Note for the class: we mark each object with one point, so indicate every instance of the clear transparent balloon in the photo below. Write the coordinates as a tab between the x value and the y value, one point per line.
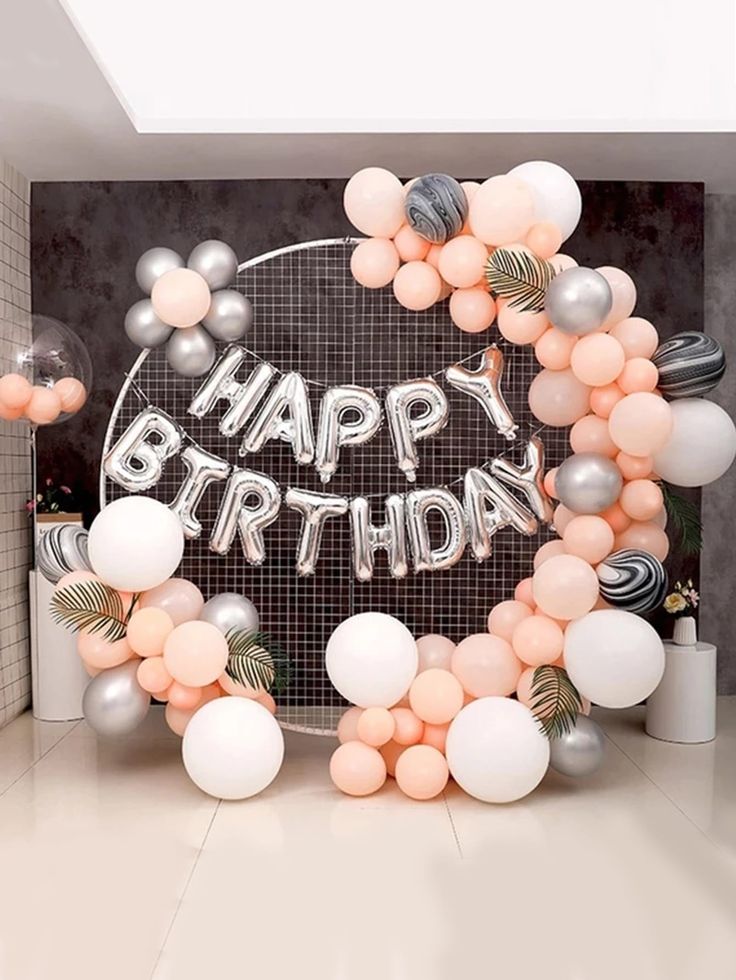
56	352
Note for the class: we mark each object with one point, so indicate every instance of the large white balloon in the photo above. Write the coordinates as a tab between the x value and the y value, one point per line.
556	195
135	544
613	658
701	447
371	658
232	748
496	750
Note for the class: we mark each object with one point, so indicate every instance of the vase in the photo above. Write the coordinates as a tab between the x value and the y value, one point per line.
685	633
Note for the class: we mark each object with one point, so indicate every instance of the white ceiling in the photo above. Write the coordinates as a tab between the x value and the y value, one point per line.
60	118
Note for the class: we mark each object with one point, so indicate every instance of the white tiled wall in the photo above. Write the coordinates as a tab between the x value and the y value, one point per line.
15	457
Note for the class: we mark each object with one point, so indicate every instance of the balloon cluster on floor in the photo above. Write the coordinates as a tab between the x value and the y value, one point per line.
143	634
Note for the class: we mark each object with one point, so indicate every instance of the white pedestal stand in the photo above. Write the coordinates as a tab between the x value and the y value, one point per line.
683	708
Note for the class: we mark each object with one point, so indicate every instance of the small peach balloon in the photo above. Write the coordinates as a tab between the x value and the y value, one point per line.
184	696
436	735
524	687
44	406
644	536
391	752
642	500
433	256
561	518
195	653
558	398
376	726
147	631
236	690
417	286
472	310
548	550
640	424
72	394
554	349
153	676
634	467
520	326
590	435
544	239
505	617
436	696
10	414
374	202
71	578
565	587
616	518
637	336
623	291
180	297
15	391
101	653
409	728
422	772
602	399
502	210
179	597
347	726
357	769
638	374
486	666
523	592
434	651
267	700
374	263
177	719
597	359
560	262
590	537
538	640
462	261
410	246
549	482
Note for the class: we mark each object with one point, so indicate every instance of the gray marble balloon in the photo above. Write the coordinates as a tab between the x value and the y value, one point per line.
62	549
190	351
143	327
632	580
689	364
230	315
580	751
436	207
114	703
152	265
588	483
230	611
578	300
215	261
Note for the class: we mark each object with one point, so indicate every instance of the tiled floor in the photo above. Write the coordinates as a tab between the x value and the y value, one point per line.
115	866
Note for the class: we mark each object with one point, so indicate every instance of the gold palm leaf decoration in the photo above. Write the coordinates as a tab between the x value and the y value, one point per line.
555	700
255	661
93	607
520	277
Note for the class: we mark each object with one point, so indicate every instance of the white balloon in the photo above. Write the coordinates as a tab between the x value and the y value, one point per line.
556	195
371	659
613	658
496	750
701	447
135	544
232	748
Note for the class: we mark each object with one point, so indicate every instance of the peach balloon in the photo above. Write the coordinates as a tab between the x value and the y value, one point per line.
436	696
184	696
417	286
565	587
357	769
604	398
72	394
409	728
463	261
624	294
153	676
147	631
502	210
590	537
374	202
374	263
410	246
637	336
236	690
549	549
195	653
558	398
101	653
71	578
486	666
376	726
519	326
179	597
544	239
597	359
347	726
177	719
524	687
639	374
642	500
434	651
10	414
561	518
615	518
391	752
433	256
590	435
422	772
505	617
445	291
644	536
554	348
538	640
634	467
472	310
470	187
640	424
560	262
44	406
180	297
267	700
549	482
523	592
15	391
436	735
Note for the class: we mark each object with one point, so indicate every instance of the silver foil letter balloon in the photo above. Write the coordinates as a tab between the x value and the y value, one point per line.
406	428
419	503
237	515
221	385
484	384
368	537
529	478
202	468
136	461
288	397
335	431
489	506
316	509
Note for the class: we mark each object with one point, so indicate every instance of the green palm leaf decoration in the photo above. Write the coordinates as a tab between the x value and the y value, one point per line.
256	661
91	606
555	700
684	520
520	277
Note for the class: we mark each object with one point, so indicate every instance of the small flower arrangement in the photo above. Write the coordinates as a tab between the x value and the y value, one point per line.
54	500
683	600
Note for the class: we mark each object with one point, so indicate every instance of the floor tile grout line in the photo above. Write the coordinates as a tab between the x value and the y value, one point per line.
452	825
39	759
185	889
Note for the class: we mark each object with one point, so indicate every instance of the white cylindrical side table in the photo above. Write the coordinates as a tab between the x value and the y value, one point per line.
683	707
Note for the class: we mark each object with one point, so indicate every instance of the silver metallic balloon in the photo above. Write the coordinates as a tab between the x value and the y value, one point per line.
152	265
578	300
135	462
243	397
484	384
230	315
529	478
290	396
114	703
203	468
231	611
368	537
62	549
190	351
588	483
407	430
215	261
315	508
234	516
333	431
418	505
580	751
489	507
143	327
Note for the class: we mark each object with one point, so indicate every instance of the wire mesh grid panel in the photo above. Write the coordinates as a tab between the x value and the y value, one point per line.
311	316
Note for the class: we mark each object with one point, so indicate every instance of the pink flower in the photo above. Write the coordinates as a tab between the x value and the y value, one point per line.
49	481
65	489
30	506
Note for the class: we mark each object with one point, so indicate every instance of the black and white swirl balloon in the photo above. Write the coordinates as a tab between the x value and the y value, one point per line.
62	549
632	580
689	364
436	207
